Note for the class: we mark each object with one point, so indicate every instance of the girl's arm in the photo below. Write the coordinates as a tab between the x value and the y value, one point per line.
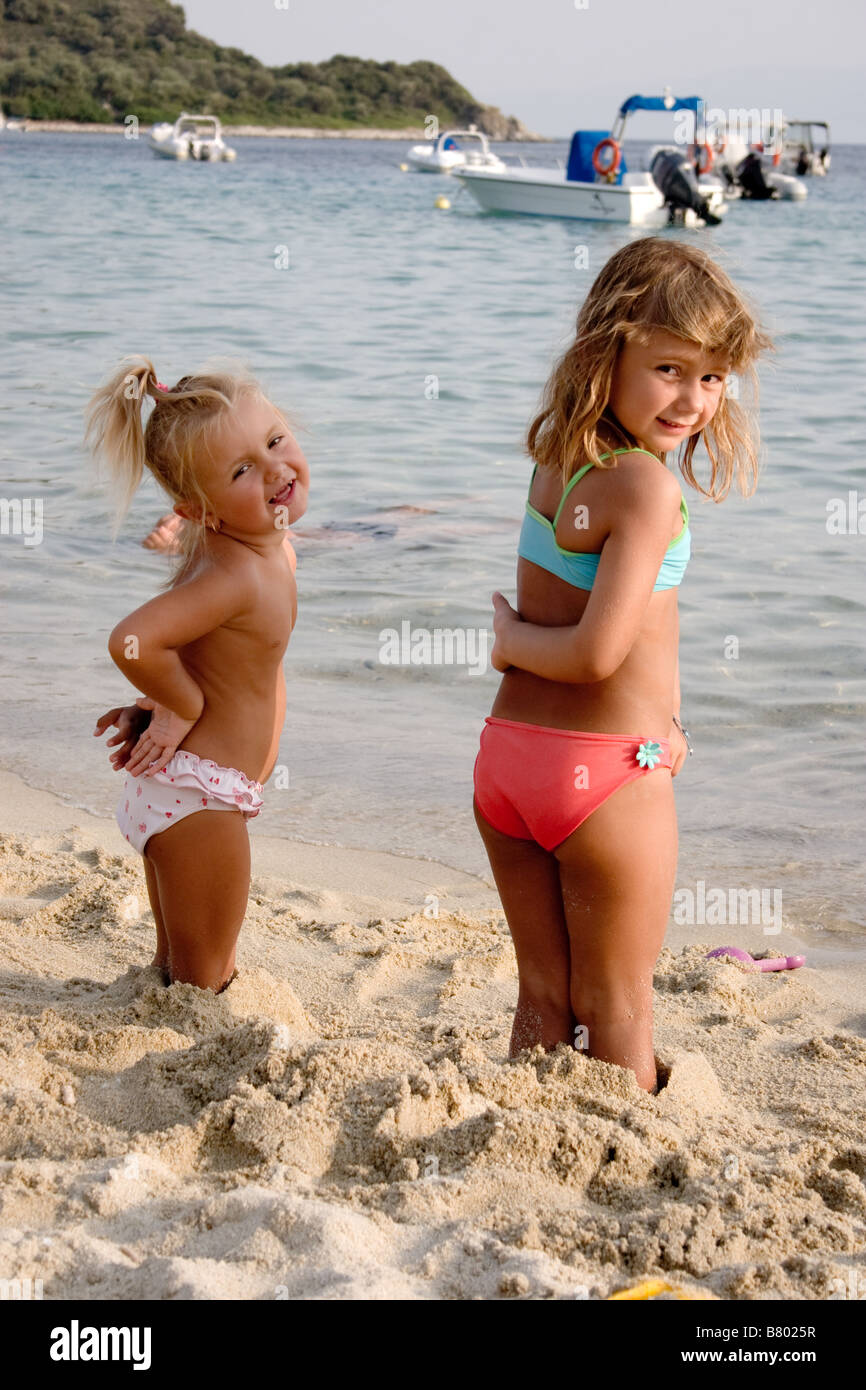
594	648
145	645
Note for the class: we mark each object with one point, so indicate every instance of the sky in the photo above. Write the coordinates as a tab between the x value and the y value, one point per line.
559	65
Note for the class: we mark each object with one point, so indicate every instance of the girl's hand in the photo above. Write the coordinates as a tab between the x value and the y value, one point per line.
504	618
160	740
130	722
679	749
165	534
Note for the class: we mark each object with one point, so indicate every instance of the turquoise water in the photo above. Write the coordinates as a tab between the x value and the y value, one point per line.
416	502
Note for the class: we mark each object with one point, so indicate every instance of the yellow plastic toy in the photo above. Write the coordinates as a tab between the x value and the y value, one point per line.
651	1288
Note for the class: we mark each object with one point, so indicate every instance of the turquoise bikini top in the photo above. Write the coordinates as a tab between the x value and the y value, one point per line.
538	543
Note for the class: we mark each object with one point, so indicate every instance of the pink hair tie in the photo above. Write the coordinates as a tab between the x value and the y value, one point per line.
162	386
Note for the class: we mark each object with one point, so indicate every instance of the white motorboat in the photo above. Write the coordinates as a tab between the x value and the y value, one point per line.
191	137
445	154
805	147
11	125
549	193
766	184
749	153
596	185
756	171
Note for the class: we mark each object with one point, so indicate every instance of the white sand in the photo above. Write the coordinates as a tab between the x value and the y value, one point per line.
295	132
343	1122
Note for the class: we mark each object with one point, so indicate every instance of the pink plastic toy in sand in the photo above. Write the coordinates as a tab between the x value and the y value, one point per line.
762	962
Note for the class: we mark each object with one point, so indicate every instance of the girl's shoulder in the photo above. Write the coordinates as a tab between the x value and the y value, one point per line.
624	479
639	482
217	560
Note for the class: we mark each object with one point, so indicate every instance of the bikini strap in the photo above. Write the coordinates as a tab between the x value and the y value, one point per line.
571	482
580	473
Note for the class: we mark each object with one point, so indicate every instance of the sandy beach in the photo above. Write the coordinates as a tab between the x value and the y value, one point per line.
272	132
344	1123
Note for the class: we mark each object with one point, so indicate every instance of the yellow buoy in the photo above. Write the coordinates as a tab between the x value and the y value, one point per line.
405	168
442	202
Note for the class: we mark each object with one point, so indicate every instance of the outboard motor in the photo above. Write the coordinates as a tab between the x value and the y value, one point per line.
675	178
750	176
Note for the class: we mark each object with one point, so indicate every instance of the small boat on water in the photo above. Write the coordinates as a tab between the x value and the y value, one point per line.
191	137
11	125
750	177
758	171
445	154
597	186
805	147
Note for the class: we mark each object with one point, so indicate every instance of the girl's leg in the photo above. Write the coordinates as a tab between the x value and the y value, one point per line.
528	881
161	956
202	869
617	872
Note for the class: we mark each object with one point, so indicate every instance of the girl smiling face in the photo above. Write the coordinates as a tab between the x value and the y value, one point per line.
665	389
256	477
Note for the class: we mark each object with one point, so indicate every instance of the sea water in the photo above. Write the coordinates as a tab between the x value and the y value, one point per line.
411	344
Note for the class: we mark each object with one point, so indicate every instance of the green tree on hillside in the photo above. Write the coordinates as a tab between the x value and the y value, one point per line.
100	60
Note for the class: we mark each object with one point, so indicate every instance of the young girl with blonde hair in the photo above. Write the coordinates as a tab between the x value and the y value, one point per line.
573	781
207	653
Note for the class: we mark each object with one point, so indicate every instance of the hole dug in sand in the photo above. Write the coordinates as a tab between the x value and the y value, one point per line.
688	1084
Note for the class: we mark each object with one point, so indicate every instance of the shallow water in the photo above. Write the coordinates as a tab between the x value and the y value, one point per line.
416	502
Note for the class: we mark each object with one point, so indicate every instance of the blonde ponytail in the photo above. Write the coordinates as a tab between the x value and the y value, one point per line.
114	431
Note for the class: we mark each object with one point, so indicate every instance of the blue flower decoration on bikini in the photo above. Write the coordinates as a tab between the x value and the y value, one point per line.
649	754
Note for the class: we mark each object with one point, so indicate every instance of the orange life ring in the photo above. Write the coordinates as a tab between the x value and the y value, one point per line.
609	144
703	169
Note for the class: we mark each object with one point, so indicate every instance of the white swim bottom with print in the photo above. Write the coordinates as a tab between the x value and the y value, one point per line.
188	784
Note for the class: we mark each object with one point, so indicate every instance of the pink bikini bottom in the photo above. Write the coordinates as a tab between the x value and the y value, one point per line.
535	783
188	784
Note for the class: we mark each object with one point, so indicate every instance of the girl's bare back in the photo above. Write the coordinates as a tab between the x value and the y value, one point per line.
239	665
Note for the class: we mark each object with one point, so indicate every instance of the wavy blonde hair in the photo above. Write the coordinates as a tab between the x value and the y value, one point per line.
171	446
650	284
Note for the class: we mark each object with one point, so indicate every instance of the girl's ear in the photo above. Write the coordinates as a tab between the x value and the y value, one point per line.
187	510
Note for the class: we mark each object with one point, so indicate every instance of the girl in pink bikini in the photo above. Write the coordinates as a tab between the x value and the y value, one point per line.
206	654
573	781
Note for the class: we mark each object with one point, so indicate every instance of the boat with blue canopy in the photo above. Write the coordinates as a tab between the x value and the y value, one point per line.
597	185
